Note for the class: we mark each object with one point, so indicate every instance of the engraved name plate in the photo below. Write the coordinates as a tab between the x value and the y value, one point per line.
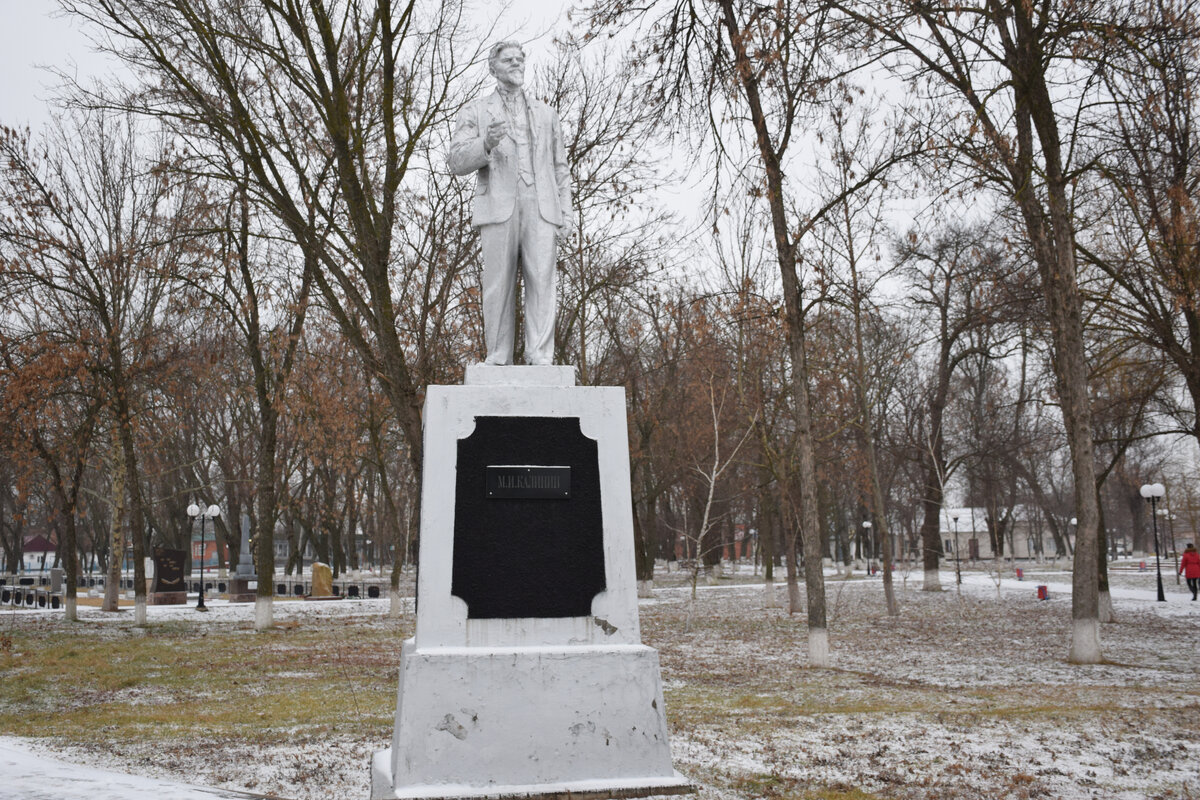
528	482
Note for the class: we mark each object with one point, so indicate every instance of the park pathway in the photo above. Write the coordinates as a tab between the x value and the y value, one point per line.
31	776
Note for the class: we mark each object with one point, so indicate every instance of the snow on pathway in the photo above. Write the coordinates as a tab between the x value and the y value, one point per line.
977	582
29	775
1178	601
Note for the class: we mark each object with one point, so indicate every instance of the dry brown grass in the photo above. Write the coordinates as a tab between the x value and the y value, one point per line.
959	697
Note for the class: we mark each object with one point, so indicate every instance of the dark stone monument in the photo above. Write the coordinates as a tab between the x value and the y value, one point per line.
240	589
169	588
528	530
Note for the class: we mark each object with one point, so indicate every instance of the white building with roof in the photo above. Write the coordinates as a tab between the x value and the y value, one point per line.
964	530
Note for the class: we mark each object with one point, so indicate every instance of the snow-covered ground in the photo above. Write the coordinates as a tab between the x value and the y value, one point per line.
29	773
962	696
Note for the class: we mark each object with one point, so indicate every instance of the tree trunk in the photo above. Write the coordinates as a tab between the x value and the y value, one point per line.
1052	238
1105	597
642	556
766	547
867	427
116	540
931	528
68	503
70	560
884	537
264	514
131	478
785	251
1056	264
793	571
226	549
295	559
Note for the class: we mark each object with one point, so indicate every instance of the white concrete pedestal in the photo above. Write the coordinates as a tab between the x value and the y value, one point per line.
527	707
520	722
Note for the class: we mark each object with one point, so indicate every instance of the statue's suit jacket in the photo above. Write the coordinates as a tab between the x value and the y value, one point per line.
497	172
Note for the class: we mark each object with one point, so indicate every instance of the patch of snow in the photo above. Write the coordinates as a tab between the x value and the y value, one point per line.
30	774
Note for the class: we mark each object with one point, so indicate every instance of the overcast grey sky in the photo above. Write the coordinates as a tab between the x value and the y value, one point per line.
34	33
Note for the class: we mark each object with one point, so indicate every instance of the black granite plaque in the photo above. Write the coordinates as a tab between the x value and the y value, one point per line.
528	483
168	569
523	556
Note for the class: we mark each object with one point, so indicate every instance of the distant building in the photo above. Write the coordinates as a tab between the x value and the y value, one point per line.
205	552
1024	537
38	553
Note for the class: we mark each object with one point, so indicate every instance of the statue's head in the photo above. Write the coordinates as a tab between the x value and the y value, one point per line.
506	61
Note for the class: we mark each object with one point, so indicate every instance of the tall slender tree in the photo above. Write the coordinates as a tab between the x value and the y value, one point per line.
751	79
948	272
993	76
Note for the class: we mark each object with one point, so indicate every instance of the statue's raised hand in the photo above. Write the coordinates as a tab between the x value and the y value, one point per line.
495	132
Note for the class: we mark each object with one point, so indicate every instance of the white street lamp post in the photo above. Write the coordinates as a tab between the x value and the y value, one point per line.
1153	492
957	568
870	547
212	512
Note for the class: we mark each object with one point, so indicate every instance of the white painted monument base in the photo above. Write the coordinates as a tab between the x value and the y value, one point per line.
527	722
526	707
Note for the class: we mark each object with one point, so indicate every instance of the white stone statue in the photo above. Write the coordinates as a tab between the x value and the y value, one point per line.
514	145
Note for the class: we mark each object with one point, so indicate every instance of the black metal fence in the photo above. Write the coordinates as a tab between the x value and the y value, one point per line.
34	591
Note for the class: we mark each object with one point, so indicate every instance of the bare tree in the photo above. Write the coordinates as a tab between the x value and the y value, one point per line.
742	250
327	105
1145	234
764	70
949	274
710	474
620	242
848	239
52	423
992	73
94	232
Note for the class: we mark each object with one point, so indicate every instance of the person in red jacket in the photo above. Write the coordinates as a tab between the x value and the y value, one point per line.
1189	567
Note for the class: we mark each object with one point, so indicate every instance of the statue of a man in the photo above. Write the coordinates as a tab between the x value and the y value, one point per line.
514	145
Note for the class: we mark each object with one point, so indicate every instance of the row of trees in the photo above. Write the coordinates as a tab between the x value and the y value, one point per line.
232	278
